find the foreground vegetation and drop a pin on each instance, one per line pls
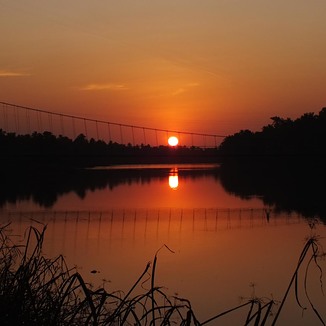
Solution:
(35, 290)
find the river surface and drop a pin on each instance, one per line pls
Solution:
(224, 248)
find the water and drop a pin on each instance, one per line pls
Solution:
(226, 247)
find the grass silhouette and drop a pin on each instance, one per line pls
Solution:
(35, 290)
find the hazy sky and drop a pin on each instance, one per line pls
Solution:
(214, 66)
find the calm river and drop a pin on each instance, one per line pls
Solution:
(227, 247)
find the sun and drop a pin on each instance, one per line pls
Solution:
(173, 141)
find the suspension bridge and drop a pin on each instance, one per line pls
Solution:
(23, 120)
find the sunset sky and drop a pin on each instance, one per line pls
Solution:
(214, 66)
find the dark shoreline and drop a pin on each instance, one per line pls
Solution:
(287, 184)
(44, 185)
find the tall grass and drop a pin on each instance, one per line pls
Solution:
(35, 290)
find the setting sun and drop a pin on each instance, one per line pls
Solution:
(173, 141)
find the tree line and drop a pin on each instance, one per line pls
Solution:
(283, 137)
(304, 136)
(46, 149)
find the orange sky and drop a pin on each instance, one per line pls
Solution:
(213, 66)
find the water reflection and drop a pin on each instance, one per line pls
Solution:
(286, 189)
(227, 230)
(47, 187)
(218, 252)
(173, 178)
(220, 188)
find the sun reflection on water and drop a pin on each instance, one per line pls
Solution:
(173, 178)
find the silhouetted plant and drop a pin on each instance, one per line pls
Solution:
(35, 290)
(312, 245)
(305, 135)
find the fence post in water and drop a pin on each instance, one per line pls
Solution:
(181, 218)
(158, 223)
(193, 219)
(228, 219)
(146, 216)
(251, 217)
(205, 215)
(169, 225)
(240, 217)
(216, 217)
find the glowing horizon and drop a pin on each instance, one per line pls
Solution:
(215, 68)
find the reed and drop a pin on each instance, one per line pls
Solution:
(35, 290)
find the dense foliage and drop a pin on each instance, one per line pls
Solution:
(46, 149)
(283, 137)
(283, 164)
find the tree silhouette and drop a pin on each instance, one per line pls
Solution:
(45, 150)
(305, 136)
